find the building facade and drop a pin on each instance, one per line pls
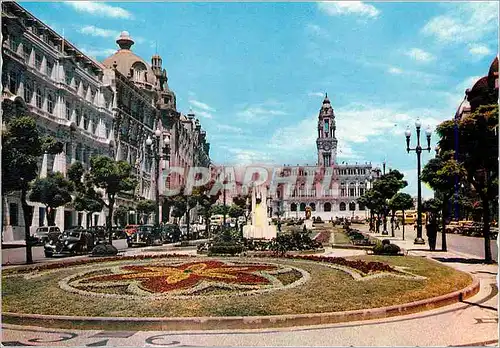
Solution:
(107, 108)
(329, 188)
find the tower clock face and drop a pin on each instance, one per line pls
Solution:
(327, 147)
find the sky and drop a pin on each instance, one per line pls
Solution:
(255, 74)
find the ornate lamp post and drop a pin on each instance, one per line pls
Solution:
(418, 150)
(157, 155)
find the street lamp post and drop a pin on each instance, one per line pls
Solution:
(418, 150)
(156, 155)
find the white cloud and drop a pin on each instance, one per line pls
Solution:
(394, 70)
(464, 22)
(335, 8)
(317, 31)
(98, 52)
(479, 50)
(245, 156)
(201, 105)
(303, 134)
(467, 83)
(420, 55)
(95, 31)
(203, 113)
(258, 113)
(316, 94)
(229, 128)
(100, 9)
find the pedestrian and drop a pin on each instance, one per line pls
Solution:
(397, 224)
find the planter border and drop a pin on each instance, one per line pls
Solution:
(253, 322)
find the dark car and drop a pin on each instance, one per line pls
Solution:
(171, 233)
(46, 233)
(99, 231)
(71, 243)
(146, 235)
(118, 232)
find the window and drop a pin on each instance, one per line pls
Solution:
(313, 206)
(50, 104)
(352, 191)
(13, 214)
(13, 43)
(342, 206)
(28, 92)
(327, 206)
(78, 152)
(302, 207)
(41, 216)
(50, 67)
(12, 82)
(38, 61)
(68, 77)
(78, 117)
(85, 121)
(39, 99)
(68, 110)
(361, 191)
(293, 207)
(94, 126)
(107, 130)
(27, 53)
(361, 206)
(93, 96)
(352, 206)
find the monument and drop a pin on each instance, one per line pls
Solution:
(308, 223)
(259, 227)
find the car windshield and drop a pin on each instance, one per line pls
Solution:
(146, 228)
(73, 234)
(43, 229)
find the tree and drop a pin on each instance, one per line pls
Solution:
(442, 174)
(401, 201)
(52, 191)
(477, 152)
(385, 188)
(145, 207)
(22, 145)
(120, 215)
(206, 202)
(242, 202)
(114, 178)
(86, 198)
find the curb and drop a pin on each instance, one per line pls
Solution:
(254, 322)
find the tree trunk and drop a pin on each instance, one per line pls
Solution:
(488, 258)
(51, 216)
(187, 222)
(27, 224)
(109, 219)
(392, 223)
(443, 232)
(403, 224)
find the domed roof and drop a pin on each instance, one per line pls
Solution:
(494, 67)
(480, 84)
(125, 59)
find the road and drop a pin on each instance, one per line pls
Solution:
(468, 245)
(18, 255)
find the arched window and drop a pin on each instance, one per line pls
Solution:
(327, 206)
(352, 206)
(38, 98)
(302, 207)
(342, 190)
(361, 206)
(50, 103)
(352, 190)
(342, 206)
(313, 206)
(68, 110)
(293, 207)
(78, 117)
(139, 72)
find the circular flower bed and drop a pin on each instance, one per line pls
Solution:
(181, 278)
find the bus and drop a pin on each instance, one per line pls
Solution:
(410, 217)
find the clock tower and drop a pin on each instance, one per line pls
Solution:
(326, 142)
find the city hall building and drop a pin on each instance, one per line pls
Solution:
(92, 108)
(346, 182)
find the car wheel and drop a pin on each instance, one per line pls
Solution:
(47, 254)
(129, 245)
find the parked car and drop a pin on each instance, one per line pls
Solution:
(72, 243)
(118, 232)
(171, 233)
(46, 233)
(493, 232)
(453, 227)
(146, 235)
(130, 229)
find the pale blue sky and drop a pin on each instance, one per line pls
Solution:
(255, 73)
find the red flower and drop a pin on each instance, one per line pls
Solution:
(167, 278)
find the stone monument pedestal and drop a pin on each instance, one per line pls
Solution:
(308, 224)
(262, 232)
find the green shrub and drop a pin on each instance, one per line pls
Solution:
(225, 249)
(104, 250)
(386, 249)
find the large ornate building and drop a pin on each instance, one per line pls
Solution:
(107, 108)
(345, 182)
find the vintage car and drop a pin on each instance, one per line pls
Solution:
(99, 231)
(453, 227)
(130, 229)
(171, 233)
(146, 235)
(46, 233)
(118, 232)
(72, 243)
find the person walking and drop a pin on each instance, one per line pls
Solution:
(397, 224)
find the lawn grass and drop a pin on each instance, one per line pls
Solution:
(328, 290)
(340, 237)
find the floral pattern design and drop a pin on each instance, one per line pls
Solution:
(165, 278)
